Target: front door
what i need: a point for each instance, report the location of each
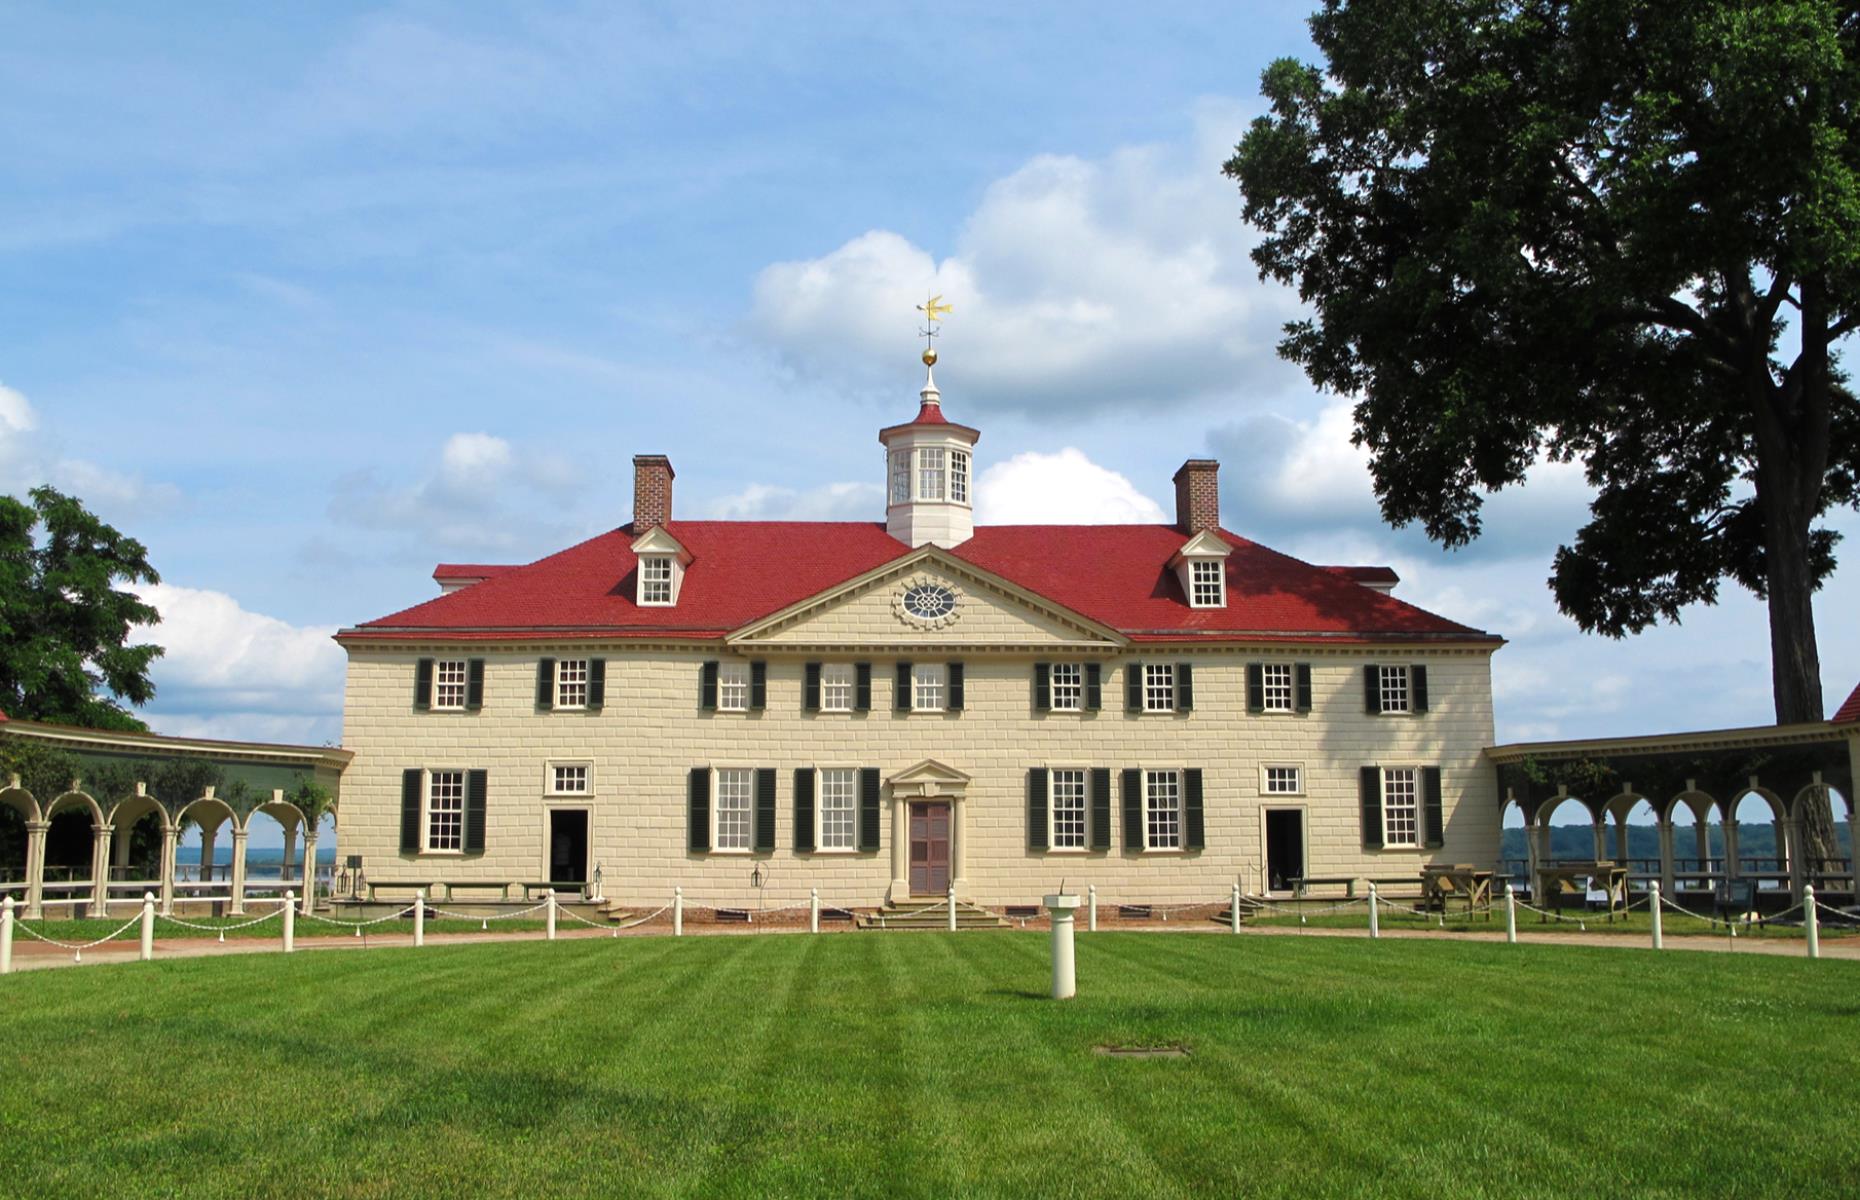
(930, 849)
(1285, 847)
(568, 846)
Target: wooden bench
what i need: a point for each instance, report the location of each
(1387, 883)
(546, 886)
(453, 889)
(1346, 882)
(422, 887)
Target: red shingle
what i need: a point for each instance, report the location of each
(1848, 712)
(1116, 575)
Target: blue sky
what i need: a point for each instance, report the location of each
(312, 298)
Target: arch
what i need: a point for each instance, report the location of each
(212, 808)
(1757, 798)
(1699, 805)
(1567, 831)
(22, 802)
(66, 801)
(267, 866)
(134, 807)
(1550, 806)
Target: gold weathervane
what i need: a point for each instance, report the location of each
(933, 310)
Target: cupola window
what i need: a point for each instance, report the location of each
(930, 473)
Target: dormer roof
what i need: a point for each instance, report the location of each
(658, 540)
(1206, 544)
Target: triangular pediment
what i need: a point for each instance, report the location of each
(968, 607)
(929, 771)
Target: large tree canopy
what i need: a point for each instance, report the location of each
(1618, 232)
(64, 625)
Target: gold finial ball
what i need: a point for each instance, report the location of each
(929, 356)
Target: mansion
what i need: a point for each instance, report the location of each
(886, 709)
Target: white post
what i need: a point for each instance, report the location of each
(952, 908)
(1511, 915)
(678, 912)
(549, 914)
(419, 917)
(1375, 919)
(1811, 920)
(813, 910)
(290, 922)
(1092, 895)
(1065, 976)
(6, 936)
(1233, 912)
(1653, 907)
(148, 926)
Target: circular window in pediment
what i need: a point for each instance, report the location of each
(928, 602)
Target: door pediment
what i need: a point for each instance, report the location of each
(929, 780)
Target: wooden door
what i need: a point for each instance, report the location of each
(930, 849)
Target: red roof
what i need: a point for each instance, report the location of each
(1849, 711)
(1384, 576)
(740, 571)
(471, 570)
(931, 413)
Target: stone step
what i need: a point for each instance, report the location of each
(926, 914)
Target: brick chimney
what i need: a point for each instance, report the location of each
(1198, 496)
(652, 491)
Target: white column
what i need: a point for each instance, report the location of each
(1511, 915)
(1092, 912)
(238, 873)
(1233, 911)
(1791, 832)
(958, 840)
(6, 935)
(1666, 856)
(1065, 976)
(419, 917)
(309, 900)
(100, 870)
(1811, 921)
(813, 910)
(169, 840)
(208, 835)
(900, 850)
(148, 926)
(549, 914)
(1653, 908)
(290, 847)
(1730, 847)
(1600, 830)
(35, 869)
(678, 912)
(1375, 917)
(952, 908)
(288, 917)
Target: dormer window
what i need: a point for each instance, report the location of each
(661, 574)
(1207, 583)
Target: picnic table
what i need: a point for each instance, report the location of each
(1554, 878)
(1441, 882)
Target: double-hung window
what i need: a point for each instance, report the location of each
(1162, 810)
(959, 476)
(1401, 807)
(1158, 687)
(733, 687)
(655, 579)
(930, 473)
(569, 779)
(836, 687)
(571, 683)
(1396, 693)
(1068, 809)
(1068, 687)
(1282, 781)
(838, 808)
(1207, 583)
(929, 687)
(900, 476)
(445, 810)
(735, 808)
(449, 684)
(1277, 679)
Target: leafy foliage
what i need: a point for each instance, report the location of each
(1617, 232)
(64, 625)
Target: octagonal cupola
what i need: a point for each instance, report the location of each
(930, 473)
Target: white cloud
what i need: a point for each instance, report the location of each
(1076, 282)
(831, 502)
(1065, 488)
(29, 458)
(229, 672)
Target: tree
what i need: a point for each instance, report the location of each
(1617, 232)
(64, 626)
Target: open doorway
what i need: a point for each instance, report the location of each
(1285, 848)
(568, 846)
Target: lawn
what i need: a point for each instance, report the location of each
(931, 1065)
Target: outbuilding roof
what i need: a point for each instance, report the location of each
(740, 571)
(1849, 711)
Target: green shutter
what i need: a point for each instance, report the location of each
(475, 786)
(804, 809)
(1417, 688)
(1094, 687)
(1434, 824)
(423, 685)
(1301, 687)
(1100, 808)
(862, 687)
(955, 687)
(1194, 834)
(697, 810)
(1133, 809)
(412, 783)
(545, 684)
(1036, 808)
(810, 687)
(1133, 687)
(1372, 690)
(868, 808)
(707, 686)
(758, 686)
(474, 684)
(1184, 687)
(1256, 687)
(765, 809)
(597, 682)
(902, 701)
(1369, 789)
(1042, 687)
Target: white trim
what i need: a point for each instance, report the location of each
(1265, 862)
(727, 667)
(1419, 805)
(1195, 567)
(1147, 667)
(549, 770)
(464, 685)
(716, 810)
(1382, 690)
(1266, 794)
(426, 810)
(820, 808)
(1052, 812)
(1052, 686)
(561, 705)
(852, 687)
(568, 804)
(1181, 809)
(674, 575)
(941, 670)
(1291, 689)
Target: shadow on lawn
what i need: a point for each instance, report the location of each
(1018, 993)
